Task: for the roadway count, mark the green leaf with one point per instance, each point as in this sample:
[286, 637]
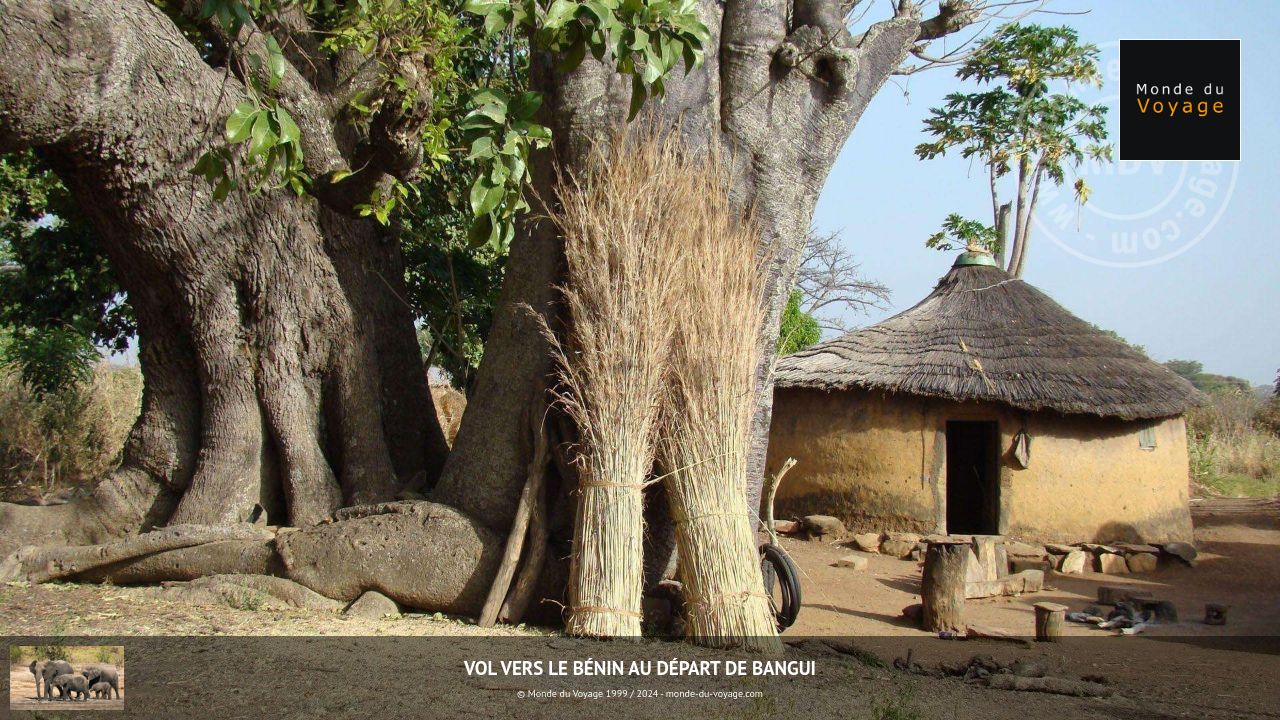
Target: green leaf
[482, 148]
[526, 104]
[275, 62]
[484, 196]
[560, 12]
[261, 136]
[240, 121]
[573, 57]
[480, 230]
[289, 132]
[637, 97]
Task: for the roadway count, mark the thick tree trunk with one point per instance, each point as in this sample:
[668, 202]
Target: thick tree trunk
[280, 364]
[779, 94]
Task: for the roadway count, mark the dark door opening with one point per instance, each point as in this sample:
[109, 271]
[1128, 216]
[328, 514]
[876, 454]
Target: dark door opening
[973, 478]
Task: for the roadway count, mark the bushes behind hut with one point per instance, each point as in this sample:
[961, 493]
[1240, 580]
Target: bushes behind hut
[1234, 444]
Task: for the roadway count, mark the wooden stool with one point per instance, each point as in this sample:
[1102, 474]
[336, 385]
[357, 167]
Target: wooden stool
[942, 587]
[1049, 619]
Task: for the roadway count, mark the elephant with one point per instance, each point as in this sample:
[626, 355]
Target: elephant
[72, 684]
[46, 671]
[102, 673]
[101, 690]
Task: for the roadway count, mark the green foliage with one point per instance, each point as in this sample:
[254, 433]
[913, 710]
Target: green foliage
[1021, 119]
[1019, 124]
[1194, 373]
[58, 295]
[959, 232]
[1233, 441]
[645, 39]
[797, 329]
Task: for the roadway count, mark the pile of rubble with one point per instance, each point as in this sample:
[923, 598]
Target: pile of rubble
[1020, 674]
[1020, 556]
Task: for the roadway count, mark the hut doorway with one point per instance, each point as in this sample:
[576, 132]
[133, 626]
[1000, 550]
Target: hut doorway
[973, 472]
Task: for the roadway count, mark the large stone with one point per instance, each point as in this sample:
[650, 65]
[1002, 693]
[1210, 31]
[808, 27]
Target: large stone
[1033, 580]
[1110, 564]
[372, 605]
[1018, 564]
[1186, 552]
[1059, 549]
[867, 542]
[1073, 562]
[897, 548]
[1016, 548]
[853, 562]
[909, 537]
[1128, 548]
[823, 526]
[1142, 562]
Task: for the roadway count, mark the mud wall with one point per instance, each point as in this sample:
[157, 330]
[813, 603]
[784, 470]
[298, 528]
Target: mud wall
[879, 462]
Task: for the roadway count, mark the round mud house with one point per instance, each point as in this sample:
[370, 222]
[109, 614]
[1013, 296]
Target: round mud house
[985, 409]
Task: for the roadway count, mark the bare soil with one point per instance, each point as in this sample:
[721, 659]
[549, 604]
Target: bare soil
[1185, 669]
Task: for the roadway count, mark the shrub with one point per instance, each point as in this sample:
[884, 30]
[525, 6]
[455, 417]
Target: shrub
[1233, 444]
[65, 439]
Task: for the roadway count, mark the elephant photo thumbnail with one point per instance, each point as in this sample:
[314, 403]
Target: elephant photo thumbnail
[66, 677]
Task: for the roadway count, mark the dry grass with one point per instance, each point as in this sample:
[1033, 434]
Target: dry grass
[67, 440]
[1233, 444]
[614, 218]
[718, 311]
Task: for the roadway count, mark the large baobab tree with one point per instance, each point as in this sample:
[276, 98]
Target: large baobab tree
[281, 368]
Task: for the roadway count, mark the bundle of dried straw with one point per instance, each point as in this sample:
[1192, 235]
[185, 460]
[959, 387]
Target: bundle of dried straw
[664, 307]
[613, 218]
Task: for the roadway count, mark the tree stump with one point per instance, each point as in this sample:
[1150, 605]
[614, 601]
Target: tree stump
[942, 589]
[1049, 619]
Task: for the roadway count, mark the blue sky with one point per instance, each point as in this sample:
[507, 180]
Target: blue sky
[1204, 289]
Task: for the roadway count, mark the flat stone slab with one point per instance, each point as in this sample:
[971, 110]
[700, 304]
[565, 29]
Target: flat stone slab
[853, 562]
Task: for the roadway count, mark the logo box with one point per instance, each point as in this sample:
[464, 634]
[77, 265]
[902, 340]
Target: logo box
[1180, 99]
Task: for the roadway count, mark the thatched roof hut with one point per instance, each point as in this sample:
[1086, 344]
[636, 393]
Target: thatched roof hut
[984, 336]
[884, 418]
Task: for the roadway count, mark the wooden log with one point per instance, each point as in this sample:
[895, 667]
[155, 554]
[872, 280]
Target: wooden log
[520, 526]
[530, 572]
[1049, 621]
[943, 587]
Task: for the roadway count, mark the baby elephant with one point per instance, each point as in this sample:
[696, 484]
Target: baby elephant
[98, 674]
[71, 684]
[101, 690]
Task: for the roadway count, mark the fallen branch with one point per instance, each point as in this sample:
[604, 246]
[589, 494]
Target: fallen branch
[1051, 685]
[520, 526]
[530, 574]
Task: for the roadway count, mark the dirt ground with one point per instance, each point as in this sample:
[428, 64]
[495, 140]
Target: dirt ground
[1186, 669]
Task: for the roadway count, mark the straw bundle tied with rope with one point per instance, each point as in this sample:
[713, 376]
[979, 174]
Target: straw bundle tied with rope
[614, 218]
[706, 420]
[663, 308]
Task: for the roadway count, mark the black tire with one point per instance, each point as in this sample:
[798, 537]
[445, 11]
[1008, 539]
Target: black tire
[778, 568]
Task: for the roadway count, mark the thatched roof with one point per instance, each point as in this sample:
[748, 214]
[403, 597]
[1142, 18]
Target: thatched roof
[983, 335]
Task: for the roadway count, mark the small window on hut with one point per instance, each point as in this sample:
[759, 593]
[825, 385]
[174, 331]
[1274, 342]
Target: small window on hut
[1147, 438]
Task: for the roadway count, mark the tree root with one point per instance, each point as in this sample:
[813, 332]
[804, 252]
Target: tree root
[421, 554]
[42, 563]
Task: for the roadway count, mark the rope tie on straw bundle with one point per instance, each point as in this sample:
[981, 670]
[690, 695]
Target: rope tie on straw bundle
[702, 516]
[604, 610]
[692, 599]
